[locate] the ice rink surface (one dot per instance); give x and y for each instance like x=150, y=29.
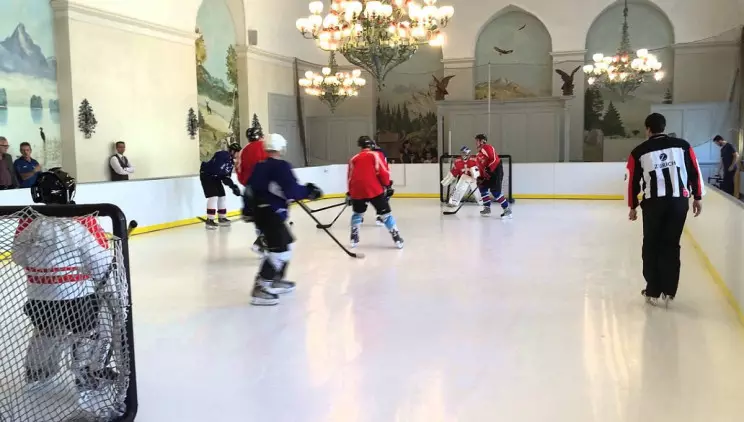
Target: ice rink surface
x=534, y=319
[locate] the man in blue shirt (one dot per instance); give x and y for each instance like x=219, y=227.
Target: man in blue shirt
x=26, y=167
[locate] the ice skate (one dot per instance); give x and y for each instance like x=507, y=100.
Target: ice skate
x=667, y=300
x=281, y=287
x=262, y=297
x=224, y=222
x=397, y=239
x=507, y=213
x=210, y=224
x=486, y=211
x=653, y=301
x=354, y=241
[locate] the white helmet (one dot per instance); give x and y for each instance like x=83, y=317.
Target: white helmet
x=275, y=142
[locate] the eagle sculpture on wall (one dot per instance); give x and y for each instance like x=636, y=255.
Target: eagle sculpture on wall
x=440, y=87
x=568, y=81
x=501, y=51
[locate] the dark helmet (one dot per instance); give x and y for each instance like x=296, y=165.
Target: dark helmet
x=254, y=134
x=481, y=137
x=365, y=141
x=234, y=147
x=54, y=186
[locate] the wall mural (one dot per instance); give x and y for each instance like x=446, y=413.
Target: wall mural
x=217, y=78
x=517, y=46
x=613, y=124
x=406, y=108
x=29, y=104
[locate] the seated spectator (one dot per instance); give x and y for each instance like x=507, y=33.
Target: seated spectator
x=26, y=168
x=8, y=178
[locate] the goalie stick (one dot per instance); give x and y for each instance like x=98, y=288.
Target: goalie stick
x=309, y=212
x=462, y=202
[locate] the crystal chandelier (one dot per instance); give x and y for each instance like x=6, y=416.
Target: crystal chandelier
x=331, y=86
x=376, y=35
x=624, y=72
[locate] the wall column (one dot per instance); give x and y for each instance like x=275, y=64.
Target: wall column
x=67, y=108
x=244, y=103
x=567, y=61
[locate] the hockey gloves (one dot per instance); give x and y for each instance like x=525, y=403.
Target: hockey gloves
x=389, y=191
x=235, y=190
x=314, y=192
x=348, y=199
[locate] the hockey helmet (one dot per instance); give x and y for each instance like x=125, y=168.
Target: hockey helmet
x=365, y=141
x=54, y=186
x=254, y=134
x=465, y=151
x=275, y=142
x=234, y=147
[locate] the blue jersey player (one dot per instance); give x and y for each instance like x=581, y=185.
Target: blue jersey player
x=213, y=175
x=273, y=186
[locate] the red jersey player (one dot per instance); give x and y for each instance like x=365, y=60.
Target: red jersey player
x=492, y=178
x=252, y=154
x=466, y=171
x=369, y=182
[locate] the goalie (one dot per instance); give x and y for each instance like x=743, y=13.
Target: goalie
x=465, y=171
x=68, y=264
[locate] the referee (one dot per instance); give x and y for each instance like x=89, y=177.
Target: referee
x=666, y=170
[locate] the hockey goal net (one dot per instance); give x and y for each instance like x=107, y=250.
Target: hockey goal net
x=446, y=163
x=66, y=343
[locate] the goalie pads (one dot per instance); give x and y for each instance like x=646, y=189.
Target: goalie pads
x=448, y=179
x=465, y=185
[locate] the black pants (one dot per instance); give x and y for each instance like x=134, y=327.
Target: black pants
x=380, y=203
x=278, y=239
x=727, y=184
x=663, y=222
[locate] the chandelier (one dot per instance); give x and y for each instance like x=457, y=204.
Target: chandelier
x=376, y=35
x=626, y=71
x=331, y=86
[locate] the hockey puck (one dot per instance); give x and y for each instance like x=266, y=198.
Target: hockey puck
x=291, y=223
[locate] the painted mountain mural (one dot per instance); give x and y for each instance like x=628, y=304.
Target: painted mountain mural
x=28, y=81
x=19, y=54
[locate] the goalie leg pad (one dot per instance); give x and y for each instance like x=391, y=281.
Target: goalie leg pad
x=43, y=356
x=460, y=189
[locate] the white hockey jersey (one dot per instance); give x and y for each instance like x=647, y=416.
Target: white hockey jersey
x=63, y=258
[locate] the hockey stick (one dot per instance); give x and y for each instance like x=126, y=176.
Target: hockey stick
x=462, y=202
x=328, y=226
x=348, y=252
x=327, y=208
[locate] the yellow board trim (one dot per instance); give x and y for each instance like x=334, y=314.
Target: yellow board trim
x=716, y=276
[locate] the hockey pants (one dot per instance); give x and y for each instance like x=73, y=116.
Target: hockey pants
x=465, y=185
x=278, y=240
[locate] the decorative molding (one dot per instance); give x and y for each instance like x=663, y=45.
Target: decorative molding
x=93, y=16
x=704, y=46
x=459, y=63
x=568, y=56
x=255, y=53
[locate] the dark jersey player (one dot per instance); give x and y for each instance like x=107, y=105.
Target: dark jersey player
x=369, y=183
x=492, y=177
x=274, y=186
x=213, y=175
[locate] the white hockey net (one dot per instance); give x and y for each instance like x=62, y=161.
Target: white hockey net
x=447, y=161
x=64, y=354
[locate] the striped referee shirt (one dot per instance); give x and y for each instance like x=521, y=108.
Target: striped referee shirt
x=663, y=167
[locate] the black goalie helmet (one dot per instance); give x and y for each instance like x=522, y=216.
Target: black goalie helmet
x=365, y=141
x=54, y=186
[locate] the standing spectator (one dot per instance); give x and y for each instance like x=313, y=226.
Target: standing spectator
x=119, y=165
x=26, y=167
x=727, y=167
x=8, y=179
x=666, y=170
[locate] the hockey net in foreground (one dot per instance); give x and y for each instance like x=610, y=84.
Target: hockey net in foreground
x=66, y=343
x=446, y=162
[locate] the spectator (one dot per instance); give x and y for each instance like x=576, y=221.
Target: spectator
x=727, y=168
x=26, y=168
x=119, y=165
x=8, y=179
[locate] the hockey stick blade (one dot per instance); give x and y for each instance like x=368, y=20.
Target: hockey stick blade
x=328, y=226
x=304, y=207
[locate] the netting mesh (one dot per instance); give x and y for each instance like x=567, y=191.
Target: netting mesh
x=63, y=311
x=447, y=161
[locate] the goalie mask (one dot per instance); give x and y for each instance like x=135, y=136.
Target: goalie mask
x=54, y=186
x=465, y=152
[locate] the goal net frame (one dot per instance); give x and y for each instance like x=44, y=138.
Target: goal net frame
x=120, y=233
x=446, y=162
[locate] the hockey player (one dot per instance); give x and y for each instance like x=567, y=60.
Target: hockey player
x=252, y=154
x=369, y=182
x=466, y=171
x=213, y=174
x=67, y=262
x=492, y=177
x=274, y=185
